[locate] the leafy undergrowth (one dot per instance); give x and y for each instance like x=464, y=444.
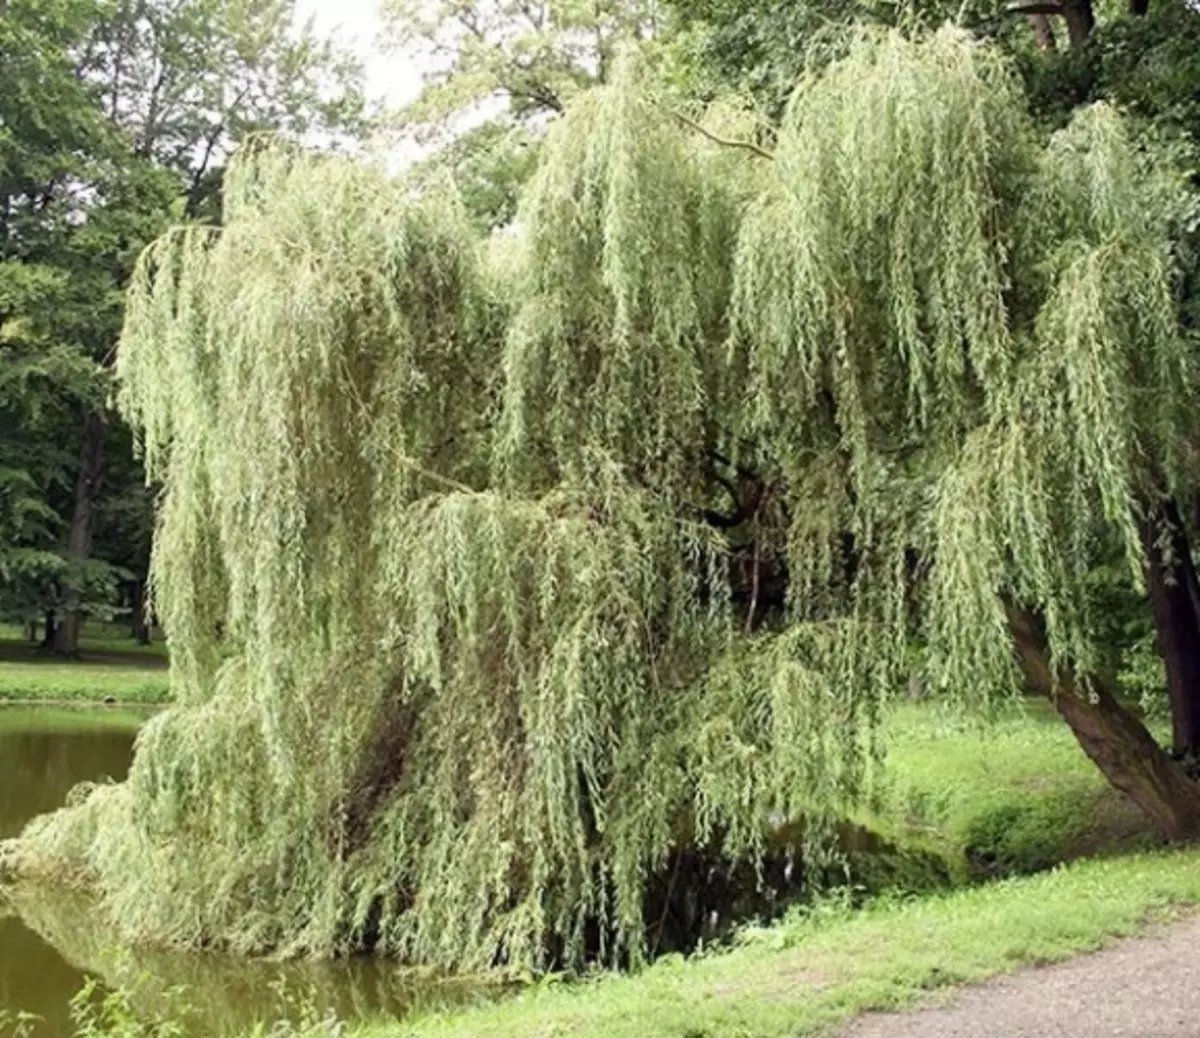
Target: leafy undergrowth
x=109, y=667
x=821, y=967
x=1009, y=796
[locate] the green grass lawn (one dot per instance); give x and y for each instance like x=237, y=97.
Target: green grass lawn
x=819, y=969
x=109, y=666
x=1012, y=795
x=998, y=799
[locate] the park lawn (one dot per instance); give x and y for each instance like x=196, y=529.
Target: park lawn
x=819, y=969
x=109, y=667
x=1010, y=795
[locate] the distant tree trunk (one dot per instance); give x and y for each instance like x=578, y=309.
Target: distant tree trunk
x=1174, y=593
x=140, y=625
x=1115, y=740
x=79, y=541
x=47, y=644
x=1138, y=8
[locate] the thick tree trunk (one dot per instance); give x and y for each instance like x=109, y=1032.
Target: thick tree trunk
x=1080, y=20
x=79, y=541
x=1174, y=592
x=1115, y=740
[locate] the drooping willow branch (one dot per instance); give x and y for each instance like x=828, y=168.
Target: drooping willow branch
x=725, y=142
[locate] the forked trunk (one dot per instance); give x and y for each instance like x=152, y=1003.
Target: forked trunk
x=1115, y=740
x=1174, y=593
x=79, y=541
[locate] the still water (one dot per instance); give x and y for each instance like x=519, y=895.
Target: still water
x=52, y=941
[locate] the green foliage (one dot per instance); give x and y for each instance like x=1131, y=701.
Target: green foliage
x=819, y=968
x=575, y=609
x=114, y=115
x=623, y=289
x=99, y=1014
x=532, y=57
x=460, y=641
x=488, y=166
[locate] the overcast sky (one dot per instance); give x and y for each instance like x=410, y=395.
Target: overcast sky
x=390, y=77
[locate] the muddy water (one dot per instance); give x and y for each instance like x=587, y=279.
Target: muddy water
x=51, y=941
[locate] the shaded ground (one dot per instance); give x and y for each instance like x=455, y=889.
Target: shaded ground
x=1147, y=987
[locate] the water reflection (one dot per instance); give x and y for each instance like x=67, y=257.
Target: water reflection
x=44, y=752
x=51, y=940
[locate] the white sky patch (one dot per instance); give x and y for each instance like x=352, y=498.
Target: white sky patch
x=392, y=78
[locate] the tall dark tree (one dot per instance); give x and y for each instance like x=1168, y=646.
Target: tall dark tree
x=122, y=118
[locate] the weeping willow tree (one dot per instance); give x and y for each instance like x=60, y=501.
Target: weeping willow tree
x=964, y=351
x=498, y=573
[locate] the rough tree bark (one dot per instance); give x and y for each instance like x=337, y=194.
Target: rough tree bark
x=1078, y=14
x=1174, y=592
x=139, y=622
x=1115, y=740
x=1080, y=20
x=79, y=540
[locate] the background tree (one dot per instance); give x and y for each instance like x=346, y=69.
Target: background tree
x=145, y=102
x=60, y=168
x=497, y=75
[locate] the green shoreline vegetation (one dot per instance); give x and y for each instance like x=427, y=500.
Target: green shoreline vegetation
x=1002, y=798
x=820, y=968
x=107, y=668
x=806, y=975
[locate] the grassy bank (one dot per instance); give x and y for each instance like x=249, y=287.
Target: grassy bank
x=108, y=667
x=1013, y=796
x=1008, y=797
x=817, y=970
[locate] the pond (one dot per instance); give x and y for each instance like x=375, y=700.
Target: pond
x=52, y=941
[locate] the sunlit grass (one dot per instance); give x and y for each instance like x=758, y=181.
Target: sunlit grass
x=1013, y=794
x=109, y=667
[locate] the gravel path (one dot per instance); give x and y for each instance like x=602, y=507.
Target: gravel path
x=1146, y=987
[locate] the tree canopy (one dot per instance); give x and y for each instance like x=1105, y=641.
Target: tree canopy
x=115, y=119
x=499, y=569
